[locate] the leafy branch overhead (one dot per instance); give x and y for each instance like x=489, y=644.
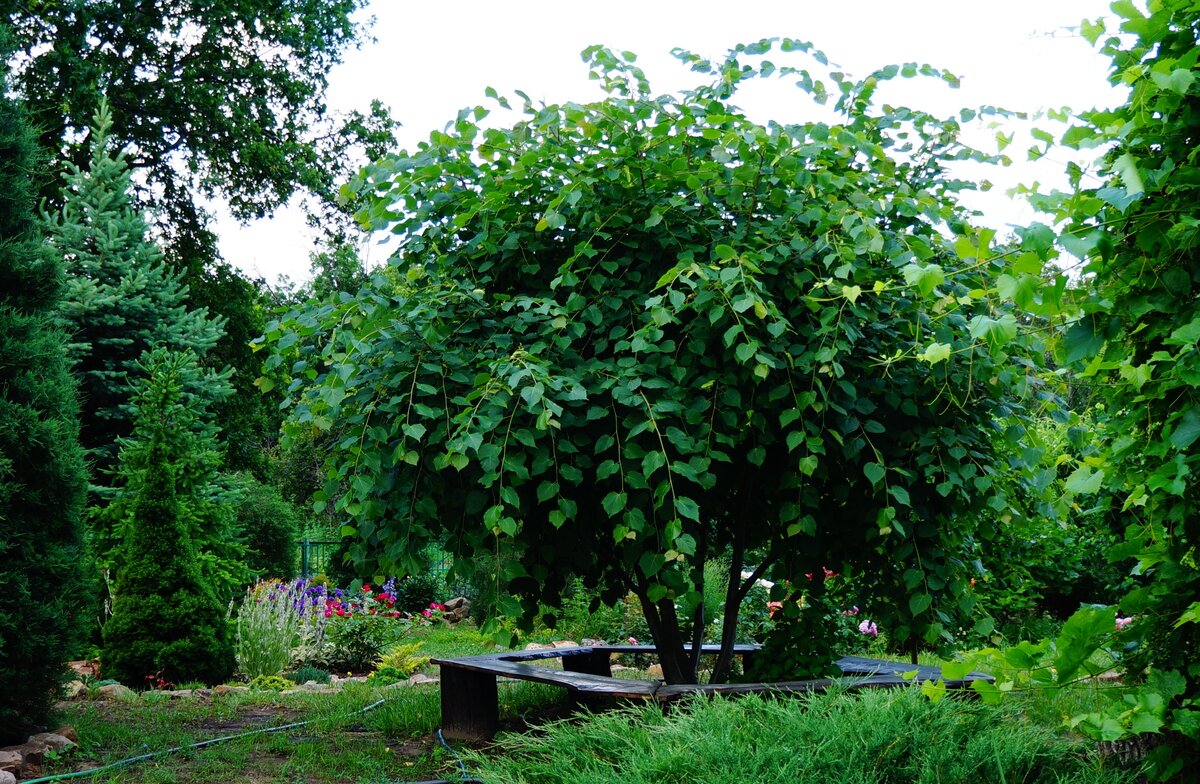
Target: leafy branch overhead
x=621, y=337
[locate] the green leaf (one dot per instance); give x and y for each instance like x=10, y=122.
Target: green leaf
x=1126, y=168
x=1085, y=480
x=1187, y=335
x=1082, y=341
x=987, y=691
x=874, y=472
x=925, y=278
x=614, y=503
x=934, y=691
x=687, y=508
x=936, y=352
x=546, y=491
x=1082, y=634
x=1188, y=430
x=919, y=603
x=1091, y=31
x=652, y=462
x=955, y=670
x=851, y=293
x=1178, y=81
x=724, y=252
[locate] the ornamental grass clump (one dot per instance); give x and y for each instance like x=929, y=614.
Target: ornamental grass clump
x=275, y=619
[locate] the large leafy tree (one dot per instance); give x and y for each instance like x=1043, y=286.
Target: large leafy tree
x=217, y=99
x=622, y=338
x=121, y=299
x=42, y=474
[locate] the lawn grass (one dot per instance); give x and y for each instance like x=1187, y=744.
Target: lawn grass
x=875, y=736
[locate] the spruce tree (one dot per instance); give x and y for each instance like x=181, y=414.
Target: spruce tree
x=166, y=617
x=121, y=298
x=42, y=473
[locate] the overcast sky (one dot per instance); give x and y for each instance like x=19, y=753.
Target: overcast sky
x=431, y=59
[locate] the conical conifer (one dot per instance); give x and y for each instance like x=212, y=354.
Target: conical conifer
x=42, y=474
x=166, y=618
x=121, y=299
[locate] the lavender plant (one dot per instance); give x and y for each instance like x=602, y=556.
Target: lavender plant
x=277, y=619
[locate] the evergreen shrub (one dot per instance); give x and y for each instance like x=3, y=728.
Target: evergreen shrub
x=42, y=474
x=166, y=617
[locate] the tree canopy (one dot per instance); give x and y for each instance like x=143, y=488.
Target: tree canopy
x=623, y=337
x=219, y=99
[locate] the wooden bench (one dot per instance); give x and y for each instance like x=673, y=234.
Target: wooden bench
x=471, y=705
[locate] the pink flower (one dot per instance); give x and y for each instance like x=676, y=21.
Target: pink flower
x=633, y=641
x=851, y=611
x=1123, y=622
x=869, y=627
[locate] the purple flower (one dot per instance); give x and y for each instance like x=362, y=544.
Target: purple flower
x=869, y=627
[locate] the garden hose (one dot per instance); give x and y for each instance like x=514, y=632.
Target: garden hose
x=197, y=745
x=262, y=731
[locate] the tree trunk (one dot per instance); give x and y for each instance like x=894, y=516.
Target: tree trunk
x=664, y=627
x=734, y=596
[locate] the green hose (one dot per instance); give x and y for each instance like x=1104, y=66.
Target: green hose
x=197, y=745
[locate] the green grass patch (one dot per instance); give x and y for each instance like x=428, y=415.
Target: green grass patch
x=873, y=736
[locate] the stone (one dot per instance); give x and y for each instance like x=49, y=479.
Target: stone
x=588, y=642
x=87, y=668
x=68, y=732
x=458, y=609
x=7, y=778
x=224, y=689
x=10, y=760
x=34, y=750
x=50, y=741
x=115, y=691
x=318, y=687
x=75, y=690
x=538, y=646
x=418, y=678
x=180, y=693
x=564, y=644
x=654, y=671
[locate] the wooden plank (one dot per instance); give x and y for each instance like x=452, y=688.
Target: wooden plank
x=470, y=704
x=597, y=662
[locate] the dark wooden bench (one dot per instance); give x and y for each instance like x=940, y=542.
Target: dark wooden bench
x=471, y=705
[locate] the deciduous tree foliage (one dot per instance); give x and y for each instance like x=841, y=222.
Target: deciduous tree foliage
x=42, y=475
x=214, y=99
x=628, y=336
x=1134, y=338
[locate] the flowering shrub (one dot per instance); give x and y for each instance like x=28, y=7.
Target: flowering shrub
x=361, y=625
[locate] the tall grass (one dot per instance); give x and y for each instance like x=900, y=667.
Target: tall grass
x=893, y=736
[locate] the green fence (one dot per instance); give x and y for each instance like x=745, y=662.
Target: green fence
x=315, y=558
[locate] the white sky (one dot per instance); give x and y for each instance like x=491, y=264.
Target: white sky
x=431, y=59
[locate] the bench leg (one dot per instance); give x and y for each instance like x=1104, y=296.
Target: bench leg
x=470, y=704
x=595, y=663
